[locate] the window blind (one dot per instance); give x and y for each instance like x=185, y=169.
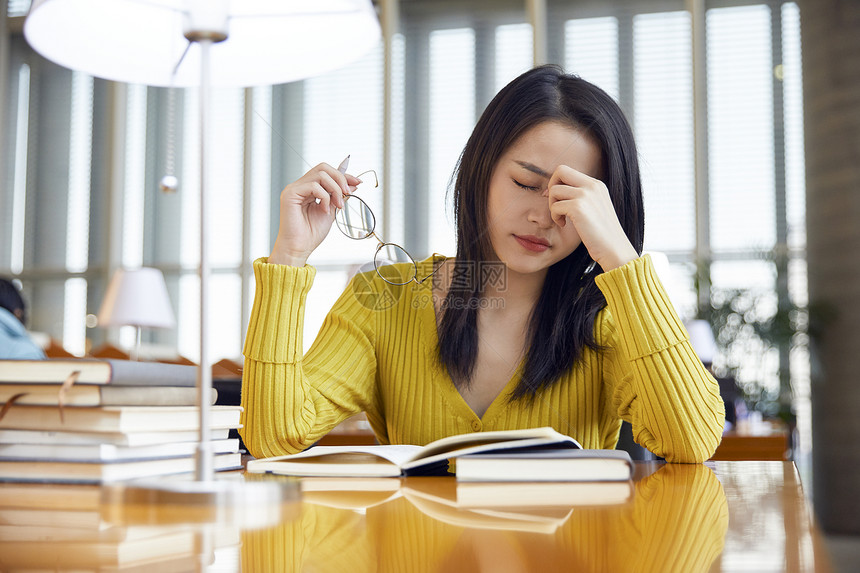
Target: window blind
x=514, y=48
x=740, y=128
x=791, y=73
x=343, y=116
x=19, y=169
x=663, y=122
x=591, y=51
x=134, y=183
x=452, y=117
x=224, y=212
x=17, y=7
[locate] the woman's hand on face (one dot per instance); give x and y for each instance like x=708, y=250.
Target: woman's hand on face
x=575, y=198
x=307, y=212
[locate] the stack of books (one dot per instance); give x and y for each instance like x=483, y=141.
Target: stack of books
x=97, y=421
x=50, y=527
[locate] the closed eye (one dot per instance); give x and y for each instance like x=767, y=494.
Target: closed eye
x=524, y=186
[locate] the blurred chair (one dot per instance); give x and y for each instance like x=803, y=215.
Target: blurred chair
x=108, y=350
x=226, y=368
x=55, y=350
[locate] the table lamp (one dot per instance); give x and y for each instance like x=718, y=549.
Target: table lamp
x=138, y=298
x=203, y=43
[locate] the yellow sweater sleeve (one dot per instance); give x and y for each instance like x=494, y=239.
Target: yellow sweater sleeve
x=659, y=384
x=291, y=401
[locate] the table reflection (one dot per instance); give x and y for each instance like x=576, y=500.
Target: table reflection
x=674, y=519
x=79, y=527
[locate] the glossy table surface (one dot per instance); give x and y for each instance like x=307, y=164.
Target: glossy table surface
x=721, y=516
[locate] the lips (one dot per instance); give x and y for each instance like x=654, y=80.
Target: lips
x=532, y=243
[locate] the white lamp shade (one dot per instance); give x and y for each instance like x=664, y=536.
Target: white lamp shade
x=141, y=41
x=702, y=339
x=137, y=298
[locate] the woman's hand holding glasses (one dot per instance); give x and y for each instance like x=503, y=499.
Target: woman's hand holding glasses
x=307, y=212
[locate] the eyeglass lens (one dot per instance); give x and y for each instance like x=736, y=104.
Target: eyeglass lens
x=355, y=220
x=387, y=255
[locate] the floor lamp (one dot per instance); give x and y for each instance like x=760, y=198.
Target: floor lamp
x=202, y=43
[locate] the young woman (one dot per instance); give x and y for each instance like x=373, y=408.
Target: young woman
x=548, y=316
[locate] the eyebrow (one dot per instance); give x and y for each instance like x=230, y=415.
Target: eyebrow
x=534, y=169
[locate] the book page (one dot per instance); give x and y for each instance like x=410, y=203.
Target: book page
x=464, y=444
x=479, y=441
x=339, y=455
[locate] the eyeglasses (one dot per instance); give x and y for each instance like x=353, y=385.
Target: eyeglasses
x=356, y=221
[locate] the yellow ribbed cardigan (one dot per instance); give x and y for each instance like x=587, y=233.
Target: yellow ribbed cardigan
x=377, y=352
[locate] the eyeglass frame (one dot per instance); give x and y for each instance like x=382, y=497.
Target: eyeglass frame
x=382, y=244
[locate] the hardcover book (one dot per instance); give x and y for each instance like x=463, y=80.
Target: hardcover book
x=116, y=418
x=547, y=465
x=43, y=394
x=84, y=472
x=109, y=453
x=128, y=439
x=97, y=371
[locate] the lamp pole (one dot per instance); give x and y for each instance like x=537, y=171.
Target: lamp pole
x=205, y=26
x=204, y=463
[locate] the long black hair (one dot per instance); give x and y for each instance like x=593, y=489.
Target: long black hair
x=562, y=322
x=11, y=300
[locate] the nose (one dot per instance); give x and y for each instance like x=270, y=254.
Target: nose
x=539, y=213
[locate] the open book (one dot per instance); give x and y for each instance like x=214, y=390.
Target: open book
x=393, y=461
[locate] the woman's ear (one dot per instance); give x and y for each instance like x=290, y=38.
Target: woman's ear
x=19, y=314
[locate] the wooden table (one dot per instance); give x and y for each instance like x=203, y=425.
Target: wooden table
x=738, y=446
x=720, y=516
